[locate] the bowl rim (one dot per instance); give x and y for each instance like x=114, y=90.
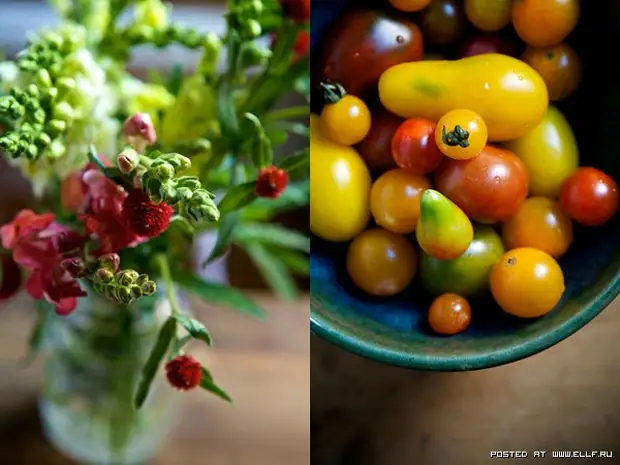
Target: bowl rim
x=347, y=340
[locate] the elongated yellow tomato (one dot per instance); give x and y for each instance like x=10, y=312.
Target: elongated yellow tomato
x=507, y=93
x=549, y=152
x=339, y=188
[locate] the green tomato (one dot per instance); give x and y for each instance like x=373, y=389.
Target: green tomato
x=549, y=153
x=467, y=275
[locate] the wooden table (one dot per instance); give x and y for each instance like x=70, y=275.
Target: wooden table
x=566, y=398
x=263, y=365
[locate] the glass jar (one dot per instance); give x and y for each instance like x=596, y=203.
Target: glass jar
x=93, y=362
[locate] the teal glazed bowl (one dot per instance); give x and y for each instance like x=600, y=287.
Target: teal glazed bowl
x=394, y=331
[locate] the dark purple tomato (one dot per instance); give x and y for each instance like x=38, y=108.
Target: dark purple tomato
x=376, y=149
x=444, y=21
x=486, y=43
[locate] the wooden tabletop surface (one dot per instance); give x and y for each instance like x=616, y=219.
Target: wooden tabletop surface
x=265, y=366
x=565, y=398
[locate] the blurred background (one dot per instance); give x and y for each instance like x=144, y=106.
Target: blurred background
x=263, y=365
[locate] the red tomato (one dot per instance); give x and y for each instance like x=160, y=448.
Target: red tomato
x=486, y=43
x=376, y=148
x=414, y=147
x=363, y=44
x=490, y=187
x=589, y=196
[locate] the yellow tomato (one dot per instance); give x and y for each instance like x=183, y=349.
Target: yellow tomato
x=527, y=282
x=541, y=224
x=507, y=93
x=409, y=6
x=347, y=121
x=549, y=152
x=381, y=263
x=339, y=188
x=488, y=15
x=461, y=134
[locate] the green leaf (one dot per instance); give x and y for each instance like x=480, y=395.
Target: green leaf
x=207, y=383
x=194, y=327
x=166, y=334
x=277, y=136
x=266, y=233
x=219, y=294
x=295, y=261
x=224, y=237
x=176, y=79
x=177, y=346
x=296, y=195
x=273, y=270
x=238, y=197
x=296, y=161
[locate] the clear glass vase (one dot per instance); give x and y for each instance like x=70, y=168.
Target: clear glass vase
x=93, y=362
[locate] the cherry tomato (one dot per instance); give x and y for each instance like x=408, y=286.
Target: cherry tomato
x=544, y=23
x=409, y=6
x=467, y=275
x=444, y=21
x=590, y=197
x=559, y=66
x=488, y=15
x=346, y=121
x=395, y=200
x=414, y=147
x=490, y=187
x=541, y=224
x=461, y=134
x=449, y=314
x=527, y=282
x=486, y=43
x=376, y=148
x=363, y=44
x=381, y=263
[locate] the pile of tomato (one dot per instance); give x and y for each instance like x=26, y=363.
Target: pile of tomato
x=459, y=170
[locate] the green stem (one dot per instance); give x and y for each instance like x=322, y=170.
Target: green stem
x=286, y=113
x=166, y=276
x=457, y=137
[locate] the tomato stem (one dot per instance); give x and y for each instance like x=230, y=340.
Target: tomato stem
x=332, y=93
x=457, y=137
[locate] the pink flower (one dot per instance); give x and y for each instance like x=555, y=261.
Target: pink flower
x=139, y=131
x=40, y=245
x=25, y=222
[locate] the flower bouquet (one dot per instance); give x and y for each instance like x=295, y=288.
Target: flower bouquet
x=125, y=171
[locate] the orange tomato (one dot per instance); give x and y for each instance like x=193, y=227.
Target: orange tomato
x=461, y=134
x=544, y=23
x=347, y=121
x=381, y=263
x=541, y=224
x=527, y=283
x=409, y=6
x=559, y=66
x=395, y=200
x=449, y=314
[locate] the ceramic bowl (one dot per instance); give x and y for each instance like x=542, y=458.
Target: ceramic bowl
x=395, y=331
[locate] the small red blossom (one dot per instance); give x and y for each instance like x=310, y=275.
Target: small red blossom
x=10, y=278
x=271, y=182
x=297, y=10
x=144, y=217
x=184, y=372
x=139, y=130
x=302, y=45
x=25, y=222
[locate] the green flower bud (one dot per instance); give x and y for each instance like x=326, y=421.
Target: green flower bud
x=168, y=192
x=57, y=149
x=135, y=291
x=149, y=288
x=142, y=279
x=104, y=275
x=202, y=207
x=50, y=95
x=32, y=152
x=27, y=64
x=42, y=140
x=253, y=28
x=212, y=45
x=184, y=193
x=39, y=116
x=127, y=160
x=56, y=127
x=54, y=40
x=126, y=277
x=153, y=187
x=65, y=84
x=63, y=111
x=190, y=182
x=256, y=7
x=43, y=78
x=164, y=172
x=109, y=261
x=33, y=91
x=177, y=160
x=123, y=295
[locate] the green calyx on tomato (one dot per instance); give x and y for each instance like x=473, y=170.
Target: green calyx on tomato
x=467, y=275
x=457, y=137
x=332, y=92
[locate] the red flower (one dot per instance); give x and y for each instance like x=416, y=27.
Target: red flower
x=103, y=213
x=302, y=45
x=297, y=10
x=11, y=278
x=271, y=182
x=184, y=372
x=25, y=222
x=41, y=247
x=139, y=131
x=144, y=217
